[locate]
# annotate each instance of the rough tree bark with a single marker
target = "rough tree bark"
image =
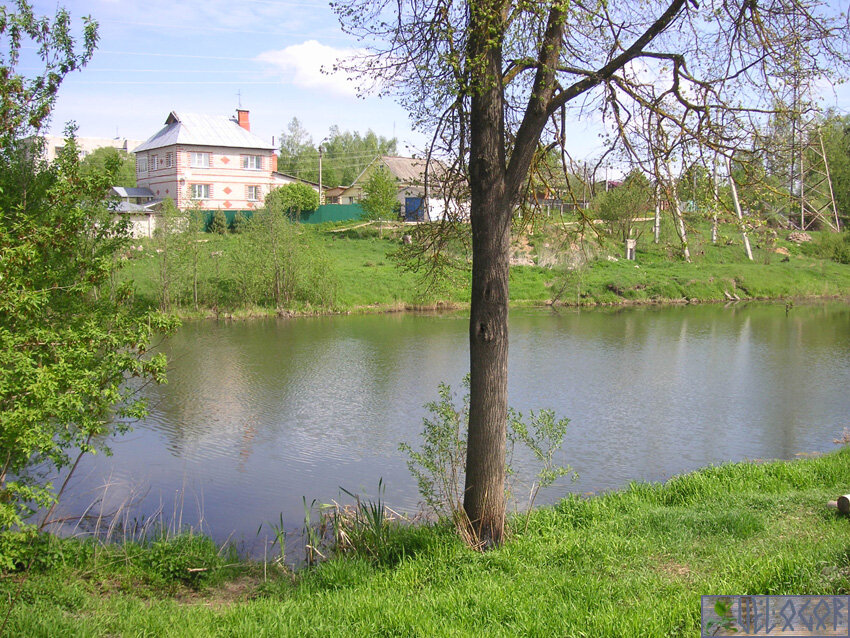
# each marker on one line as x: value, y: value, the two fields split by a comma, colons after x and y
x: 494, y: 185
x: 488, y: 323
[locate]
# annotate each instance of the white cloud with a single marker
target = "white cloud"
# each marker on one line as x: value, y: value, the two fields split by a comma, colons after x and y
x: 311, y: 66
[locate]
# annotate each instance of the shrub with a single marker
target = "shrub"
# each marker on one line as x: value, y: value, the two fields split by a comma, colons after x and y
x: 186, y: 558
x: 438, y: 466
x: 832, y: 246
x: 238, y: 223
x: 218, y: 224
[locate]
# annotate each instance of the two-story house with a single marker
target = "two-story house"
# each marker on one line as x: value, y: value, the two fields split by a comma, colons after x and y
x: 211, y: 162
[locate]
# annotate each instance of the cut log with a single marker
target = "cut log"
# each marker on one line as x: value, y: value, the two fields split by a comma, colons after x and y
x: 844, y: 504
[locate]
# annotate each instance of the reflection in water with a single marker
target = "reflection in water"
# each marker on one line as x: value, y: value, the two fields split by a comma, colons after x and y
x: 257, y: 415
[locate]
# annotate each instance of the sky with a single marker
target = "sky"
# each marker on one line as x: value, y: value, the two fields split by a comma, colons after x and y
x: 213, y: 56
x: 210, y: 57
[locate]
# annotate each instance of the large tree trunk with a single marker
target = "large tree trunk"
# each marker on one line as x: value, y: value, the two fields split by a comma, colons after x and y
x: 484, y: 496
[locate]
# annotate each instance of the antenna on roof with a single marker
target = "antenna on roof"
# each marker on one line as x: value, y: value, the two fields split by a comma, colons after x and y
x: 239, y: 97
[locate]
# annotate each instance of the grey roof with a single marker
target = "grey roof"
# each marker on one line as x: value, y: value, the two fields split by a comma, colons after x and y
x: 132, y: 191
x: 408, y: 170
x: 127, y: 207
x: 298, y: 179
x: 202, y: 130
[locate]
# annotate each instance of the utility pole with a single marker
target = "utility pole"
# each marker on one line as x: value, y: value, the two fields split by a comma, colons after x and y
x: 809, y: 168
x: 321, y: 191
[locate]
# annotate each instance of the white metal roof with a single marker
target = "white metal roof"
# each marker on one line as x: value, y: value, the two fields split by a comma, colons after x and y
x: 202, y: 130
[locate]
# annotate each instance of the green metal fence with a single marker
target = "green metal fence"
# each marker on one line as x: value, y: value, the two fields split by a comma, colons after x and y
x: 333, y: 213
x: 324, y: 213
x: 228, y: 214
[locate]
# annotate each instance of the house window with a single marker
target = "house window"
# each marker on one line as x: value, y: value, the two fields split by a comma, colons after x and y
x: 153, y: 162
x: 201, y: 191
x: 141, y: 164
x: 169, y: 160
x: 199, y: 160
x: 252, y: 193
x: 252, y: 162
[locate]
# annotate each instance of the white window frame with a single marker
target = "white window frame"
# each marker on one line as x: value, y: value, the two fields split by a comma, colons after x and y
x: 252, y: 162
x: 252, y: 193
x: 199, y: 160
x: 153, y: 163
x: 142, y: 164
x: 169, y: 160
x: 200, y: 191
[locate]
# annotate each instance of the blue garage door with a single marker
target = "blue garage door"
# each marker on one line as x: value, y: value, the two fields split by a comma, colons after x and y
x: 414, y: 211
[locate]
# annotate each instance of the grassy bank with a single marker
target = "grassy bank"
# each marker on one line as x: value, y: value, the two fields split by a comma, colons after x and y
x: 549, y: 267
x: 628, y: 563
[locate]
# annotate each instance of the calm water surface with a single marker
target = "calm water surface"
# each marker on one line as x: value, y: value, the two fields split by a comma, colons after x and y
x: 257, y: 415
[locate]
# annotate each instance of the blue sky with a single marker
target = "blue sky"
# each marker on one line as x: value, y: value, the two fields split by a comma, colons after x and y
x: 207, y: 56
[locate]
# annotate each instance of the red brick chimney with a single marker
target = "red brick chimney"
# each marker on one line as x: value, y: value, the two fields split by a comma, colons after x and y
x: 242, y: 119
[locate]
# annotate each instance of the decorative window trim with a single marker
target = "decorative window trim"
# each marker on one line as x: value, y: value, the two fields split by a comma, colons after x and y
x: 252, y: 162
x: 153, y: 162
x: 199, y: 159
x: 200, y: 191
x: 169, y: 160
x: 252, y: 193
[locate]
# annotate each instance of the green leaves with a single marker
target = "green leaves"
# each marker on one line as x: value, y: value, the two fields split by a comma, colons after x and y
x: 293, y: 199
x: 380, y: 195
x: 73, y: 346
x: 25, y: 103
x: 439, y: 464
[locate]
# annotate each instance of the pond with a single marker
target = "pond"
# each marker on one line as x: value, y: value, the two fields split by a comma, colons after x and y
x: 259, y: 416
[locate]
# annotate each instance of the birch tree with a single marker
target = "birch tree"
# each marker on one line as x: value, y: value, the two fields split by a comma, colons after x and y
x: 494, y: 81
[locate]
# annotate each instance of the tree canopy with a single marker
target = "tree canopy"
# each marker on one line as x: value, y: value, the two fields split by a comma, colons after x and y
x: 380, y: 195
x: 622, y: 206
x: 111, y: 161
x: 345, y: 154
x: 71, y: 341
x: 836, y: 139
x: 293, y: 199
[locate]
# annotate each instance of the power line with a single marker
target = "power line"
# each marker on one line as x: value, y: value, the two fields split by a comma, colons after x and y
x: 177, y: 82
x: 216, y: 72
x: 199, y: 27
x: 176, y: 55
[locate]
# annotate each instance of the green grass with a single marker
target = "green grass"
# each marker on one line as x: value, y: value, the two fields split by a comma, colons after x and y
x: 627, y: 563
x: 369, y: 279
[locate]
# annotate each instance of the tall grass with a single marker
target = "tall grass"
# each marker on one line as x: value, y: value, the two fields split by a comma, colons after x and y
x: 627, y: 563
